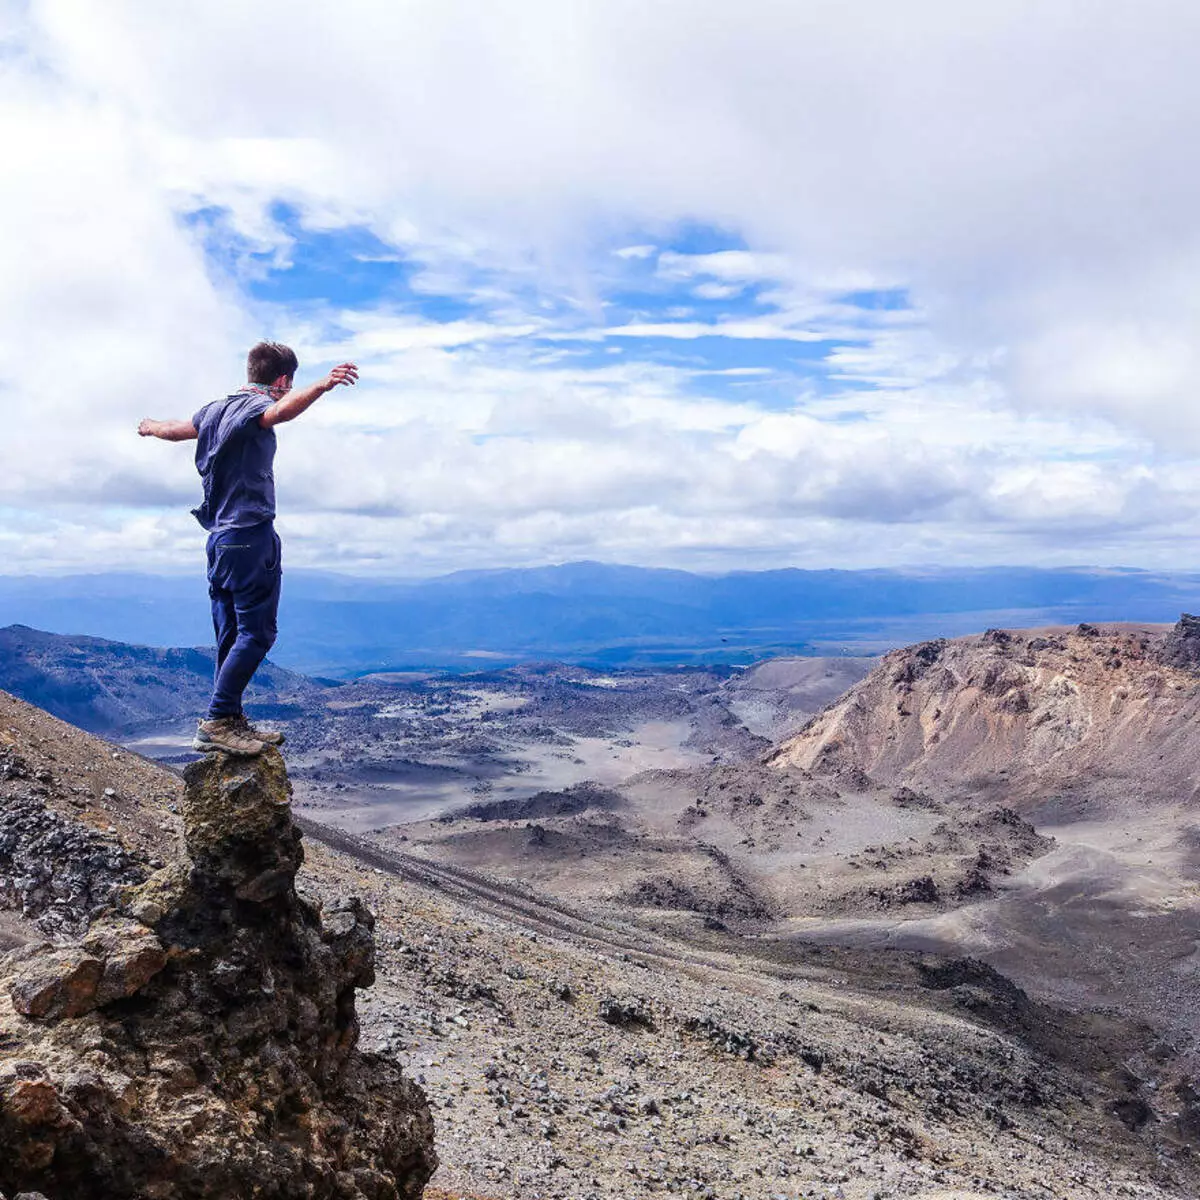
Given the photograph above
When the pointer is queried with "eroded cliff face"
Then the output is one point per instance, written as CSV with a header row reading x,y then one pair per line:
x,y
1033,712
199,1038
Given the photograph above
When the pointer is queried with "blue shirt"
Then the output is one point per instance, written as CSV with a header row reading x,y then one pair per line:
x,y
235,457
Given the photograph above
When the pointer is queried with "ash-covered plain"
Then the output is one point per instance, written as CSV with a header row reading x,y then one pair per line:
x,y
399,747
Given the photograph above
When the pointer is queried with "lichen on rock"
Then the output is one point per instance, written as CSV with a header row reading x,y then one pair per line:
x,y
200,1040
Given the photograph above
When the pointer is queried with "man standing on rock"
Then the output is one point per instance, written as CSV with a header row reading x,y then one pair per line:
x,y
235,453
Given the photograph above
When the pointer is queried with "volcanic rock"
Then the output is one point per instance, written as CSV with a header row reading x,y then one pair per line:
x,y
55,871
1181,647
202,1041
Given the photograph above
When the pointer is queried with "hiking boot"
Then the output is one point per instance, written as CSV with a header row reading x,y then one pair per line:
x,y
269,737
225,733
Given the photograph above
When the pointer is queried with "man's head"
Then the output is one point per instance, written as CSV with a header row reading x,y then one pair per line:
x,y
270,364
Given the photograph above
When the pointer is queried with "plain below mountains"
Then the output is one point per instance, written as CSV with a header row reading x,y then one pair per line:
x,y
601,614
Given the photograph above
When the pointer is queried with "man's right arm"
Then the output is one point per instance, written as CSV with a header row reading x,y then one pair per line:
x,y
300,400
169,431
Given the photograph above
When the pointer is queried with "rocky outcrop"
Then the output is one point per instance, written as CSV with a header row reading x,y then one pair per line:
x,y
199,1040
1181,647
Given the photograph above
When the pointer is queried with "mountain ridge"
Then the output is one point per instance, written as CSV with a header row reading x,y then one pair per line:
x,y
105,686
594,612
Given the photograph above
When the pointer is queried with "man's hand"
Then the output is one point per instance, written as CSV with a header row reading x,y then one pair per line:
x,y
347,373
146,428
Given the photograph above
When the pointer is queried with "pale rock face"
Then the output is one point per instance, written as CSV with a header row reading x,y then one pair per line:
x,y
200,1039
1032,712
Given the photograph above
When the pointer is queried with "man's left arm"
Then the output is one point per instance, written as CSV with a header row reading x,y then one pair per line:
x,y
169,431
298,400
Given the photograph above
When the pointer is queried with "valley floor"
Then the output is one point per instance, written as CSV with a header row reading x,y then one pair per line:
x,y
576,1056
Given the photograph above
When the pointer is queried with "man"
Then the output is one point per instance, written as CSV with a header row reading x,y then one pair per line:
x,y
235,454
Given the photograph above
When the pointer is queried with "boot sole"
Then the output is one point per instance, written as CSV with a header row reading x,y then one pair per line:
x,y
212,747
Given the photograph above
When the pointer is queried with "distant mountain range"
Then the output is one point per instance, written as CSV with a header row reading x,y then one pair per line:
x,y
109,687
600,614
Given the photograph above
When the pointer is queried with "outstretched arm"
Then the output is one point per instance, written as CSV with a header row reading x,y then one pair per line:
x,y
289,407
169,431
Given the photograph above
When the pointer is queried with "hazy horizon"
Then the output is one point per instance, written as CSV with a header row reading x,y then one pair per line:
x,y
598,613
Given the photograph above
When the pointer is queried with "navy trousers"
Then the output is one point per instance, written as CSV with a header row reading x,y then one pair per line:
x,y
245,569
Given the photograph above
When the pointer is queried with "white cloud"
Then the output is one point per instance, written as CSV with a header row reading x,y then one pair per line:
x,y
741,266
1026,178
687,330
717,291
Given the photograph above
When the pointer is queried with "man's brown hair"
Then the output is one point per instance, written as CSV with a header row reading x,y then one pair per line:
x,y
268,360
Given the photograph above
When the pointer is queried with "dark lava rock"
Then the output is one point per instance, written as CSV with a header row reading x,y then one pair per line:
x,y
662,891
1038,644
1181,647
940,974
739,1042
922,890
626,1013
906,797
57,871
981,990
913,662
973,884
575,799
203,1042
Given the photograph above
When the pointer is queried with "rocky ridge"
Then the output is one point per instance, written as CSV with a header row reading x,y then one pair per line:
x,y
1032,713
199,1038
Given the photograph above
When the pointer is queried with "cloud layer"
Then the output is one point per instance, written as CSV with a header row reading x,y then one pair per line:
x,y
694,283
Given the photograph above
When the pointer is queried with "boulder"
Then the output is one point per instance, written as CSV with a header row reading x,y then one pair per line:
x,y
1181,647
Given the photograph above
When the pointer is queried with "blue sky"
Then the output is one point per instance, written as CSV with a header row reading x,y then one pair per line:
x,y
692,284
693,276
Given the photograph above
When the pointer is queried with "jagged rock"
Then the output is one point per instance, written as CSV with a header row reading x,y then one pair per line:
x,y
626,1013
203,1044
907,797
738,1042
977,987
575,799
914,662
1181,647
115,961
922,890
57,871
238,828
52,983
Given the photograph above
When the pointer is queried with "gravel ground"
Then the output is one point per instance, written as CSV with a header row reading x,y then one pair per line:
x,y
571,1060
